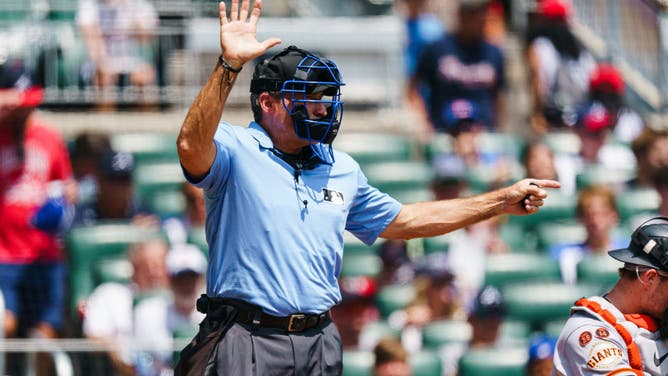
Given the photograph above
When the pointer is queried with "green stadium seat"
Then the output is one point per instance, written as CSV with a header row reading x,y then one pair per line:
x,y
506,361
559,232
517,239
563,142
158,186
506,144
554,327
87,245
394,297
165,203
62,10
426,363
482,178
439,243
600,269
357,363
599,175
112,269
377,330
14,11
147,147
394,178
441,143
637,201
538,303
445,332
513,332
370,148
360,264
504,269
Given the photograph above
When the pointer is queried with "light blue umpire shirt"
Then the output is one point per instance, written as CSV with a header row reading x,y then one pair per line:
x,y
266,246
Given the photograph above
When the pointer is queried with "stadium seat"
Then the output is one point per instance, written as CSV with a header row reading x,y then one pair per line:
x,y
637,201
514,332
482,178
369,148
563,142
503,269
426,363
538,303
599,175
112,269
553,233
439,243
506,361
554,327
158,186
601,269
445,332
394,297
441,143
360,264
374,331
502,144
87,245
394,178
411,196
357,363
147,147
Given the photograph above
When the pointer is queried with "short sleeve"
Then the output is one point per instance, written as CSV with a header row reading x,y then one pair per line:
x,y
372,211
594,350
215,179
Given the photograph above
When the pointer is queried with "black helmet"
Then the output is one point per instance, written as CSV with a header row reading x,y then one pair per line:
x,y
648,246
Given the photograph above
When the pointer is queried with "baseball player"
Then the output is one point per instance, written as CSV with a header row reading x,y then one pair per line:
x,y
620,333
279,199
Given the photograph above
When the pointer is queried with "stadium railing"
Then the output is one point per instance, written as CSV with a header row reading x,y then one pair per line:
x,y
633,35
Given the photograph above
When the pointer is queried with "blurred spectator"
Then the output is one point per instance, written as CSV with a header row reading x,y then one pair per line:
x,y
486,317
660,181
539,161
597,211
422,27
159,318
37,191
594,128
115,199
397,265
108,313
541,352
356,310
461,65
559,68
87,151
495,25
119,36
450,177
391,359
607,87
650,149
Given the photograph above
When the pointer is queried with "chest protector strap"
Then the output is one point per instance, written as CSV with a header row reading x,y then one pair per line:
x,y
635,359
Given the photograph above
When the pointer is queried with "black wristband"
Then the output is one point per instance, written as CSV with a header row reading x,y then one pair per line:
x,y
227,66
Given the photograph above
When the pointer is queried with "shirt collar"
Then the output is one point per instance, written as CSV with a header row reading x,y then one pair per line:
x,y
260,135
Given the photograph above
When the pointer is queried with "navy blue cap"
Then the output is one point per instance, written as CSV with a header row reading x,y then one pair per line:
x,y
489,302
117,164
541,347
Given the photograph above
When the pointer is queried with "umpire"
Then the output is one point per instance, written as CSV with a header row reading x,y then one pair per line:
x,y
279,199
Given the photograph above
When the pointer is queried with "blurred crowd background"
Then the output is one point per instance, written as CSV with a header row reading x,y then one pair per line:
x,y
443,99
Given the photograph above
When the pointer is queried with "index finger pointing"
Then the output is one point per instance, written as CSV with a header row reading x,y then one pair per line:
x,y
544,183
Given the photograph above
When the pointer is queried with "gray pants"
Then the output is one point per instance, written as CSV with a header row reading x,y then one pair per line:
x,y
266,351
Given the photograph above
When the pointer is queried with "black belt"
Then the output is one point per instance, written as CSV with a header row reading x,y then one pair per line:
x,y
253,315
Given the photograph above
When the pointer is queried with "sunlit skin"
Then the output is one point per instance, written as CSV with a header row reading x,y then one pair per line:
x,y
278,123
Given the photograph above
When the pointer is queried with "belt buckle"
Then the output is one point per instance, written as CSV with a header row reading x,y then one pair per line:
x,y
297,322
